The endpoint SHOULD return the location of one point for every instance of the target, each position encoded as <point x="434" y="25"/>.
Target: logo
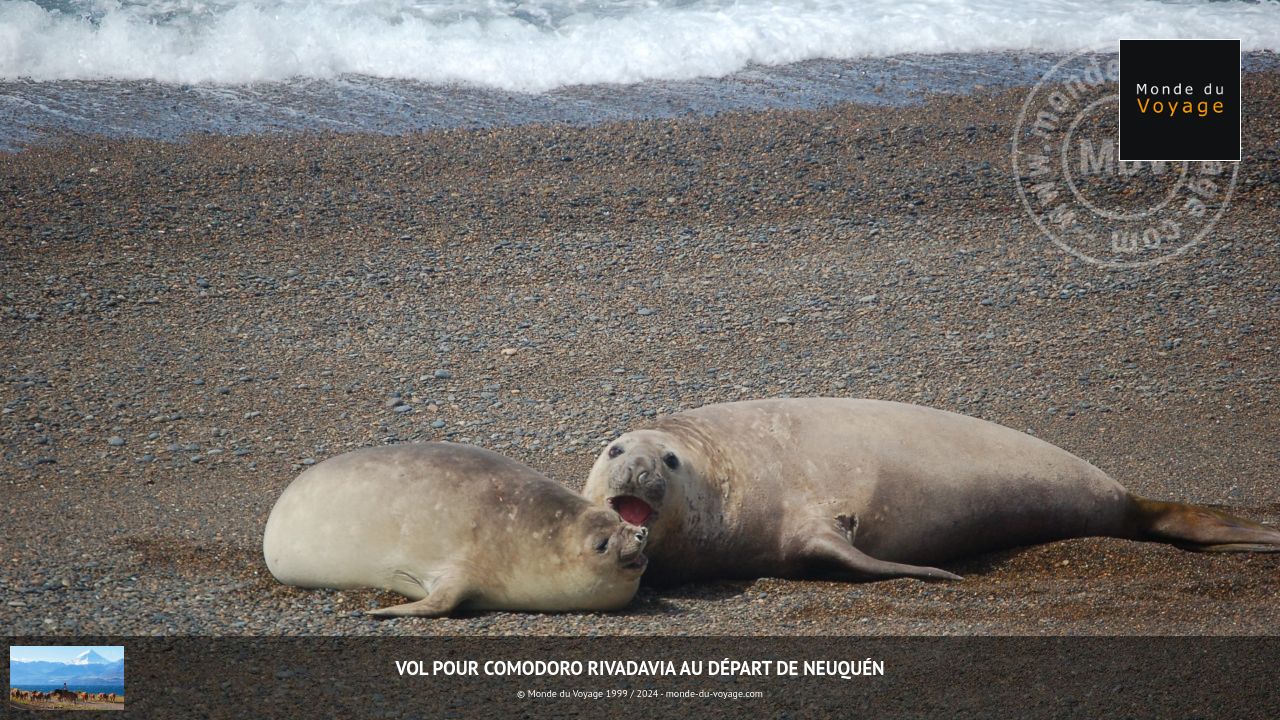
<point x="1091" y="204"/>
<point x="1180" y="100"/>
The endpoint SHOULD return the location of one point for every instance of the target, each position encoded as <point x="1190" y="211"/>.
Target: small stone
<point x="442" y="375"/>
<point x="202" y="282"/>
<point x="509" y="351"/>
<point x="251" y="414"/>
<point x="402" y="409"/>
<point x="308" y="461"/>
<point x="868" y="298"/>
<point x="645" y="311"/>
<point x="222" y="390"/>
<point x="115" y="441"/>
<point x="437" y="424"/>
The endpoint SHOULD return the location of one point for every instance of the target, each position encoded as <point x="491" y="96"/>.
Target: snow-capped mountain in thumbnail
<point x="88" y="657"/>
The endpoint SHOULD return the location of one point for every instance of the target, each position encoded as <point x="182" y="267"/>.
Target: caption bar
<point x="844" y="669"/>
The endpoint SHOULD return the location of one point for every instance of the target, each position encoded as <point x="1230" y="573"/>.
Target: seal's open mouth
<point x="632" y="509"/>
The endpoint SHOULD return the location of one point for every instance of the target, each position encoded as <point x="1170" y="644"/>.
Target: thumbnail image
<point x="66" y="677"/>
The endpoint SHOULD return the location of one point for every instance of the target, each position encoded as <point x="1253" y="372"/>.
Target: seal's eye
<point x="615" y="451"/>
<point x="602" y="545"/>
<point x="671" y="460"/>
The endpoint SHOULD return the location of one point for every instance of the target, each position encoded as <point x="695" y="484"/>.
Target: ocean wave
<point x="543" y="44"/>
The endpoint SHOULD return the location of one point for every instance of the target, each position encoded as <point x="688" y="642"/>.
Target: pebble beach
<point x="187" y="325"/>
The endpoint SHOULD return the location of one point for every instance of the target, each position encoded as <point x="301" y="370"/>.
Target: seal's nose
<point x="639" y="469"/>
<point x="642" y="535"/>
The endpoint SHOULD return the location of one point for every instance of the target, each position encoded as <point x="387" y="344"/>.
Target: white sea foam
<point x="542" y="44"/>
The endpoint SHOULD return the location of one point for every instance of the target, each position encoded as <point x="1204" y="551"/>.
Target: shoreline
<point x="186" y="325"/>
<point x="45" y="114"/>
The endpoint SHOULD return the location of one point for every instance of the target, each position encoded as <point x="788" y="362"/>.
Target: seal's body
<point x="451" y="525"/>
<point x="868" y="488"/>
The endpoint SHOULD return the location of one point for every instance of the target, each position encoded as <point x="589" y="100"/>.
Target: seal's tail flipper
<point x="1201" y="529"/>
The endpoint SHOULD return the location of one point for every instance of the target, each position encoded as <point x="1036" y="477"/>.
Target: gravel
<point x="855" y="251"/>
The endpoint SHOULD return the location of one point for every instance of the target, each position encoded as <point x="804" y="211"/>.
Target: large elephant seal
<point x="451" y="525"/>
<point x="868" y="489"/>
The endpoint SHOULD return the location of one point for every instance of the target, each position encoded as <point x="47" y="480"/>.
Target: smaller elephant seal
<point x="869" y="489"/>
<point x="451" y="526"/>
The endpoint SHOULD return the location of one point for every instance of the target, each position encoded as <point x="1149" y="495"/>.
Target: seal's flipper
<point x="1200" y="529"/>
<point x="833" y="549"/>
<point x="431" y="606"/>
<point x="444" y="598"/>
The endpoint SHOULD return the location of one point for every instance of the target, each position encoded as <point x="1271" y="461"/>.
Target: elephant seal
<point x="869" y="489"/>
<point x="451" y="525"/>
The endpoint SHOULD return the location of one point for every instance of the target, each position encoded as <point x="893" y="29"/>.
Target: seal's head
<point x="642" y="476"/>
<point x="607" y="561"/>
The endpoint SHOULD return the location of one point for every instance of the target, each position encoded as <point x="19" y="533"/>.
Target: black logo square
<point x="1180" y="100"/>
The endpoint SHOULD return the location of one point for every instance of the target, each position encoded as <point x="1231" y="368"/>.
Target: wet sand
<point x="35" y="113"/>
